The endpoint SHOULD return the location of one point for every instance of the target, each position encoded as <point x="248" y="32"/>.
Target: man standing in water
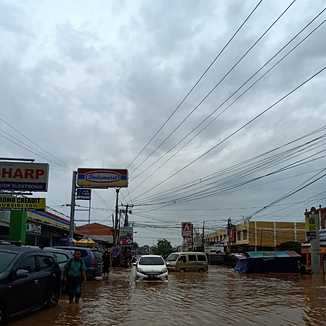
<point x="75" y="274"/>
<point x="106" y="263"/>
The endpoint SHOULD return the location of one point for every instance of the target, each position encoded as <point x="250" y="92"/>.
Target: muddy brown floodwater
<point x="220" y="297"/>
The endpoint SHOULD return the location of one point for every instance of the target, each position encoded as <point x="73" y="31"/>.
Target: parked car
<point x="99" y="260"/>
<point x="187" y="262"/>
<point x="61" y="256"/>
<point x="29" y="280"/>
<point x="151" y="267"/>
<point x="89" y="258"/>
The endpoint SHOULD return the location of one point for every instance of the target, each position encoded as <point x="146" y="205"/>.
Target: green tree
<point x="162" y="248"/>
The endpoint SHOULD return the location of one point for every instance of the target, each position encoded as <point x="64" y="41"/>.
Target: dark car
<point x="99" y="260"/>
<point x="89" y="259"/>
<point x="61" y="256"/>
<point x="29" y="280"/>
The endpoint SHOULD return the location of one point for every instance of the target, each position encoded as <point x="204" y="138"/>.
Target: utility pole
<point x="116" y="216"/>
<point x="203" y="236"/>
<point x="89" y="210"/>
<point x="72" y="205"/>
<point x="313" y="221"/>
<point x="126" y="222"/>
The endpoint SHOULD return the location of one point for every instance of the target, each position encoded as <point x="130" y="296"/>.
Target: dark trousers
<point x="74" y="288"/>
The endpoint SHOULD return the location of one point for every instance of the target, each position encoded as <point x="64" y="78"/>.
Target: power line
<point x="31" y="141"/>
<point x="306" y="184"/>
<point x="237" y="130"/>
<point x="230" y="96"/>
<point x="253" y="162"/>
<point x="196" y="83"/>
<point x="216" y="85"/>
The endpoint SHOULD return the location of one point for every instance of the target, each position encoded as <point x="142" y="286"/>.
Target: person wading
<point x="106" y="263"/>
<point x="75" y="274"/>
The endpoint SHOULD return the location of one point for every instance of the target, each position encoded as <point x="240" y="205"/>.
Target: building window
<point x="245" y="235"/>
<point x="239" y="235"/>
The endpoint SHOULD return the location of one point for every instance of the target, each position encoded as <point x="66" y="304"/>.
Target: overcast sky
<point x="90" y="82"/>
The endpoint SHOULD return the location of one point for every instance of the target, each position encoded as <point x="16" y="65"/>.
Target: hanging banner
<point x="24" y="176"/>
<point x="83" y="194"/>
<point x="21" y="203"/>
<point x="102" y="178"/>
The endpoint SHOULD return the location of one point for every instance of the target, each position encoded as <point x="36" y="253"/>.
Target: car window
<point x="60" y="258"/>
<point x="182" y="259"/>
<point x="192" y="258"/>
<point x="151" y="261"/>
<point x="28" y="263"/>
<point x="172" y="257"/>
<point x="45" y="262"/>
<point x="201" y="257"/>
<point x="5" y="259"/>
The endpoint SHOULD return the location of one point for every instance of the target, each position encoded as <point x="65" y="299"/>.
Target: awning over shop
<point x="47" y="218"/>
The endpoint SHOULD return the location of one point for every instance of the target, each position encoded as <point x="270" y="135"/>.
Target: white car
<point x="151" y="267"/>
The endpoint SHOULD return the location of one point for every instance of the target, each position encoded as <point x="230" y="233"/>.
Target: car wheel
<point x="53" y="298"/>
<point x="3" y="315"/>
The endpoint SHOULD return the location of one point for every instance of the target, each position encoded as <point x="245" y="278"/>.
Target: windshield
<point x="172" y="257"/>
<point x="5" y="259"/>
<point x="151" y="261"/>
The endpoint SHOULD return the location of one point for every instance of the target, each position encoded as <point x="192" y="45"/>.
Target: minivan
<point x="187" y="262"/>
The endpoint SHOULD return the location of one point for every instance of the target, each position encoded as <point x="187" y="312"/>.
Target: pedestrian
<point x="75" y="274"/>
<point x="106" y="263"/>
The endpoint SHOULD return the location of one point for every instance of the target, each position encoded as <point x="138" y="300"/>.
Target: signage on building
<point x="322" y="212"/>
<point x="21" y="203"/>
<point x="126" y="235"/>
<point x="24" y="176"/>
<point x="83" y="194"/>
<point x="322" y="235"/>
<point x="102" y="178"/>
<point x="311" y="235"/>
<point x="187" y="230"/>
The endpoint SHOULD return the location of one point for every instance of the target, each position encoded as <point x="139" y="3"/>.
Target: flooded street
<point x="220" y="297"/>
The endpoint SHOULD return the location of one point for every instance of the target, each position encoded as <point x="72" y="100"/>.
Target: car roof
<point x="189" y="253"/>
<point x="18" y="249"/>
<point x="150" y="256"/>
<point x="72" y="248"/>
<point x="50" y="249"/>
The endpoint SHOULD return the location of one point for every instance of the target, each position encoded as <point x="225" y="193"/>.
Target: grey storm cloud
<point x="91" y="83"/>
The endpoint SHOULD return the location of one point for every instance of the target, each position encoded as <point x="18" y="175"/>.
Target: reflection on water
<point x="219" y="297"/>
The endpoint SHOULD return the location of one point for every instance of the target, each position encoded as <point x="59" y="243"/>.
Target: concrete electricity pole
<point x="116" y="216"/>
<point x="72" y="205"/>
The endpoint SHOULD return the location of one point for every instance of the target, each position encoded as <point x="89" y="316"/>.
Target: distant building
<point x="97" y="232"/>
<point x="249" y="235"/>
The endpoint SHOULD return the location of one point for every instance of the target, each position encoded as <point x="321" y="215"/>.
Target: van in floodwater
<point x="187" y="262"/>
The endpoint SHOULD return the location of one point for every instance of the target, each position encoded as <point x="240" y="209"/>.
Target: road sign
<point x="21" y="203"/>
<point x="102" y="178"/>
<point x="83" y="194"/>
<point x="186" y="229"/>
<point x="24" y="176"/>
